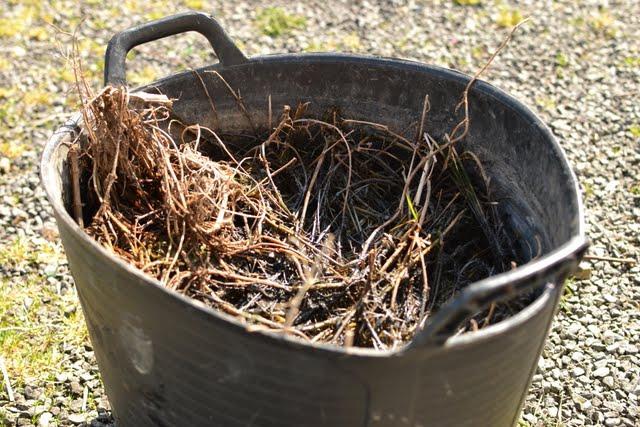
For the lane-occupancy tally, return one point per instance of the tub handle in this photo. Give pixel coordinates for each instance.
(552, 269)
(120, 44)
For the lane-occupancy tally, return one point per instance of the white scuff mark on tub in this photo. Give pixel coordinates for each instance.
(232, 376)
(137, 344)
(446, 385)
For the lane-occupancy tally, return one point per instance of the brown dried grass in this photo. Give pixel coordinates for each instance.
(332, 230)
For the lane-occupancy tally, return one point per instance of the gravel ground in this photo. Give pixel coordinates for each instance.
(577, 65)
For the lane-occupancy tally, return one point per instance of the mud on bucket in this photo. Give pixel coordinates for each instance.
(167, 360)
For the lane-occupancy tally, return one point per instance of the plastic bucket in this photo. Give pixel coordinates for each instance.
(166, 360)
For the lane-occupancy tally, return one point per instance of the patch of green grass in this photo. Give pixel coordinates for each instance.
(12, 149)
(468, 2)
(327, 45)
(546, 102)
(20, 252)
(31, 351)
(275, 21)
(154, 14)
(569, 291)
(4, 418)
(194, 4)
(401, 43)
(29, 19)
(635, 190)
(562, 60)
(35, 323)
(146, 75)
(6, 93)
(15, 253)
(603, 22)
(635, 130)
(508, 17)
(478, 52)
(35, 327)
(38, 96)
(351, 42)
(10, 28)
(577, 21)
(5, 64)
(569, 287)
(461, 63)
(39, 33)
(91, 47)
(66, 74)
(587, 190)
(632, 61)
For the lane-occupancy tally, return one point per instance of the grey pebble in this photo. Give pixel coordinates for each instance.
(44, 419)
(76, 418)
(608, 381)
(76, 388)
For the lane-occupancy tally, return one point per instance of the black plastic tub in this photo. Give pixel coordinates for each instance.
(167, 360)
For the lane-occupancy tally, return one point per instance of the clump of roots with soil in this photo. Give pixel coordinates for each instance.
(326, 228)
